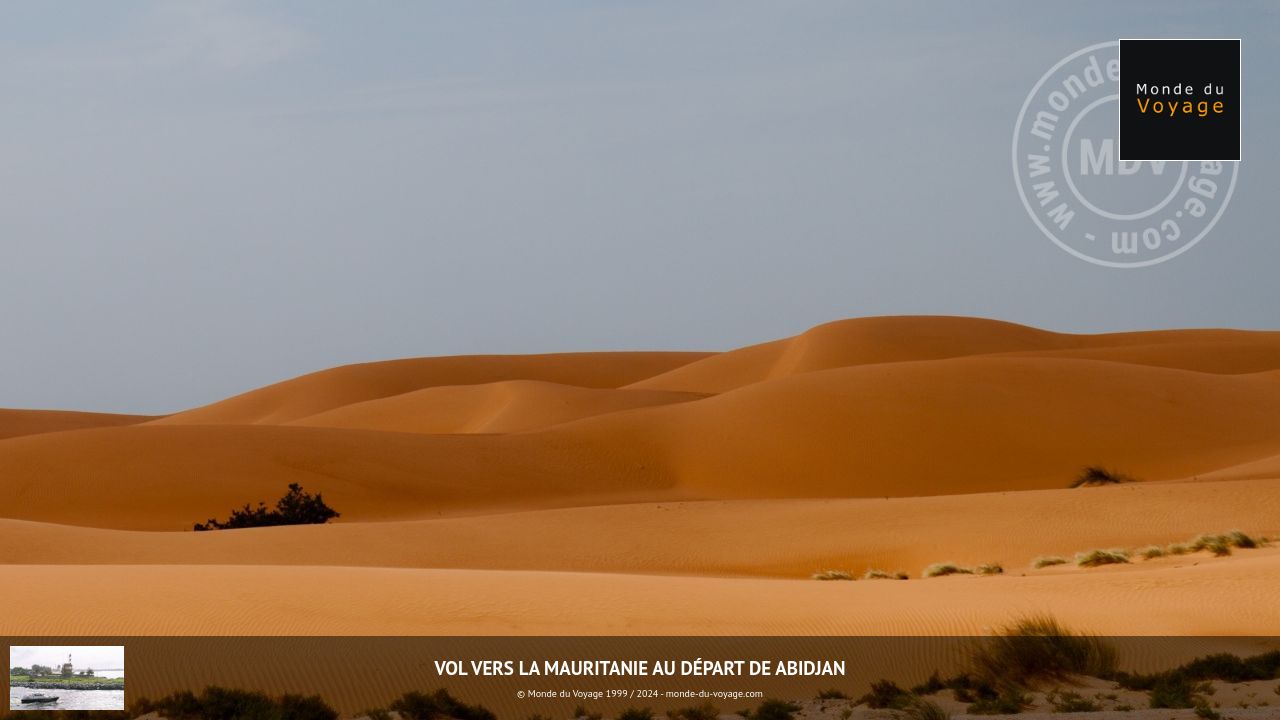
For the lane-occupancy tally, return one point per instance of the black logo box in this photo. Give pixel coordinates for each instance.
(1186, 66)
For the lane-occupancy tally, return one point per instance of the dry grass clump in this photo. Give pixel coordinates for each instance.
(946, 568)
(1219, 545)
(877, 574)
(990, 569)
(832, 575)
(1045, 561)
(1039, 648)
(1151, 552)
(1099, 557)
(925, 710)
(1178, 549)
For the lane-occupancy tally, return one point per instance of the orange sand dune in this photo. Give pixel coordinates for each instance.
(1259, 353)
(16, 423)
(328, 389)
(722, 538)
(651, 493)
(1230, 597)
(943, 427)
(865, 341)
(502, 407)
(962, 425)
(165, 477)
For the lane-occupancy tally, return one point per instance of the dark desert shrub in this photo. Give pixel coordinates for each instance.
(886, 694)
(636, 714)
(1095, 475)
(775, 710)
(438, 705)
(295, 508)
(832, 694)
(217, 703)
(706, 711)
(1009, 702)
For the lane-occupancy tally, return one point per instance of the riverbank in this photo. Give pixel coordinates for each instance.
(105, 684)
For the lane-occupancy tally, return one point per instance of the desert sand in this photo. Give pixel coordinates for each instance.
(673, 493)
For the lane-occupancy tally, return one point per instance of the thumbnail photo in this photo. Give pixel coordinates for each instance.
(60, 677)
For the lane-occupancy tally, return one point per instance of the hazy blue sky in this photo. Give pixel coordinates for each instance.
(82, 656)
(203, 197)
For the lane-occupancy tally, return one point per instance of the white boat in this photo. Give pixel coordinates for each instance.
(38, 698)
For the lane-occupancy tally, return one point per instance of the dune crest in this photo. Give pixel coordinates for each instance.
(501, 407)
(673, 493)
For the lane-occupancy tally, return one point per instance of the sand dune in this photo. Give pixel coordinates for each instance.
(167, 477)
(328, 389)
(17, 423)
(656, 493)
(721, 538)
(502, 407)
(945, 427)
(865, 341)
(966, 425)
(266, 600)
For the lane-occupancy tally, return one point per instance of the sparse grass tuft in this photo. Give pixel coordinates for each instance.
(1066, 701)
(1095, 475)
(1151, 552)
(1178, 549)
(1096, 558)
(876, 574)
(886, 694)
(832, 575)
(1219, 545)
(926, 710)
(1045, 561)
(990, 569)
(775, 710)
(1039, 648)
(1242, 540)
(946, 568)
